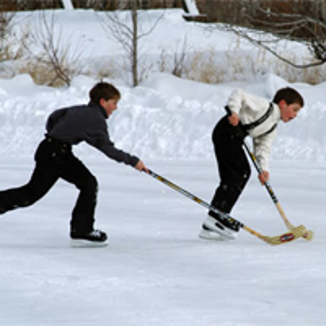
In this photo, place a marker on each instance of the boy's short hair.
(289, 95)
(103, 90)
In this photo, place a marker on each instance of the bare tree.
(134, 41)
(305, 25)
(5, 30)
(54, 52)
(128, 33)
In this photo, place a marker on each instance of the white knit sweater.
(250, 108)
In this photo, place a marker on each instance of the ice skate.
(219, 229)
(95, 238)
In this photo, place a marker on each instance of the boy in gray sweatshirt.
(54, 159)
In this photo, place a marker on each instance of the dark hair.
(103, 90)
(289, 95)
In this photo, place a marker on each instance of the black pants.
(55, 160)
(233, 166)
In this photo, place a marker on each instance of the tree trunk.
(134, 42)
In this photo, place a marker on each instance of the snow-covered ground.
(156, 271)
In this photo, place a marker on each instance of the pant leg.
(233, 166)
(39, 184)
(54, 160)
(83, 212)
(44, 176)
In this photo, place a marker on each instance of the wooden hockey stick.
(294, 234)
(308, 235)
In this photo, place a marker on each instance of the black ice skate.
(95, 238)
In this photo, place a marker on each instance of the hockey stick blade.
(294, 234)
(308, 235)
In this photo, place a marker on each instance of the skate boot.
(219, 228)
(95, 238)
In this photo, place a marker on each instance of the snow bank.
(165, 117)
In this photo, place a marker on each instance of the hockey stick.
(295, 233)
(308, 235)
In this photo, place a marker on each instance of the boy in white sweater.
(258, 118)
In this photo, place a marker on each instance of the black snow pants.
(233, 165)
(54, 159)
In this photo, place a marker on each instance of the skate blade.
(214, 236)
(81, 243)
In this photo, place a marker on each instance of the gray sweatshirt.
(86, 123)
